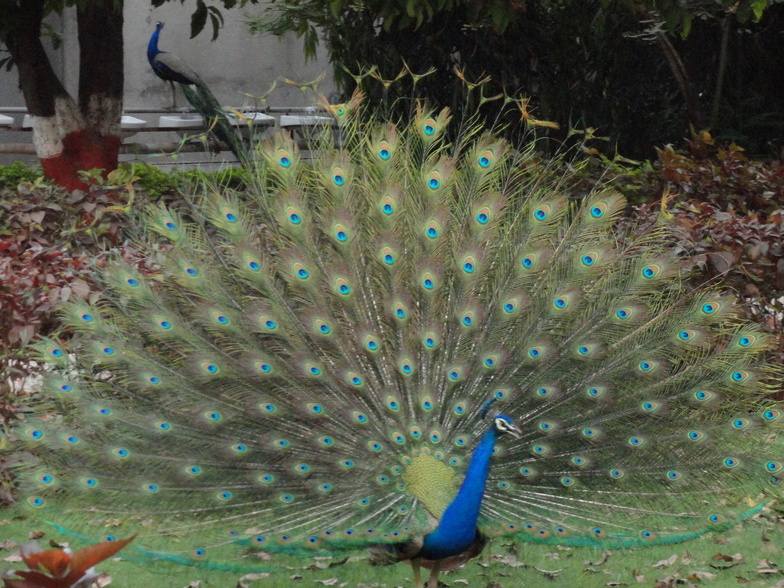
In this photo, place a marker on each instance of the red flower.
(57, 568)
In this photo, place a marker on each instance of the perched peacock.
(171, 68)
(407, 345)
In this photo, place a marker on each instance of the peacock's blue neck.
(152, 46)
(457, 529)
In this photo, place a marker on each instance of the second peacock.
(408, 345)
(171, 68)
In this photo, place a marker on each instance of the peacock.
(171, 68)
(404, 342)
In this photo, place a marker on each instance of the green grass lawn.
(749, 555)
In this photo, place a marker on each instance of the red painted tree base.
(82, 150)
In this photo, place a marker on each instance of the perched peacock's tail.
(307, 370)
(205, 103)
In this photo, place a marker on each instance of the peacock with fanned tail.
(407, 345)
(171, 68)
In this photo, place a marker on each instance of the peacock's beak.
(514, 432)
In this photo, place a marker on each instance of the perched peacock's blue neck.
(152, 46)
(457, 529)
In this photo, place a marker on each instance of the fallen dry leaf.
(663, 563)
(605, 558)
(251, 577)
(730, 560)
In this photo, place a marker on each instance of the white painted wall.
(235, 64)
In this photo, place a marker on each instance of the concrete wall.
(236, 64)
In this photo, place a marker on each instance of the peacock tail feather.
(207, 105)
(307, 370)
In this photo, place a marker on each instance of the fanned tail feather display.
(394, 329)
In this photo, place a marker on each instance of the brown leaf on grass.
(252, 577)
(14, 557)
(663, 563)
(730, 560)
(673, 581)
(35, 535)
(8, 544)
(605, 558)
(509, 560)
(549, 574)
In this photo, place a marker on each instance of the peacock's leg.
(415, 566)
(432, 582)
(174, 96)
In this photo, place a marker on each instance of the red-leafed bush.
(732, 210)
(710, 172)
(50, 241)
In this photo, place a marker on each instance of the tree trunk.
(69, 138)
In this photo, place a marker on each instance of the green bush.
(12, 175)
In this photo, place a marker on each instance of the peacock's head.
(158, 26)
(504, 424)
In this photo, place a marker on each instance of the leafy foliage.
(605, 64)
(51, 241)
(732, 210)
(11, 175)
(723, 176)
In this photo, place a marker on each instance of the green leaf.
(335, 6)
(198, 18)
(217, 21)
(758, 6)
(687, 22)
